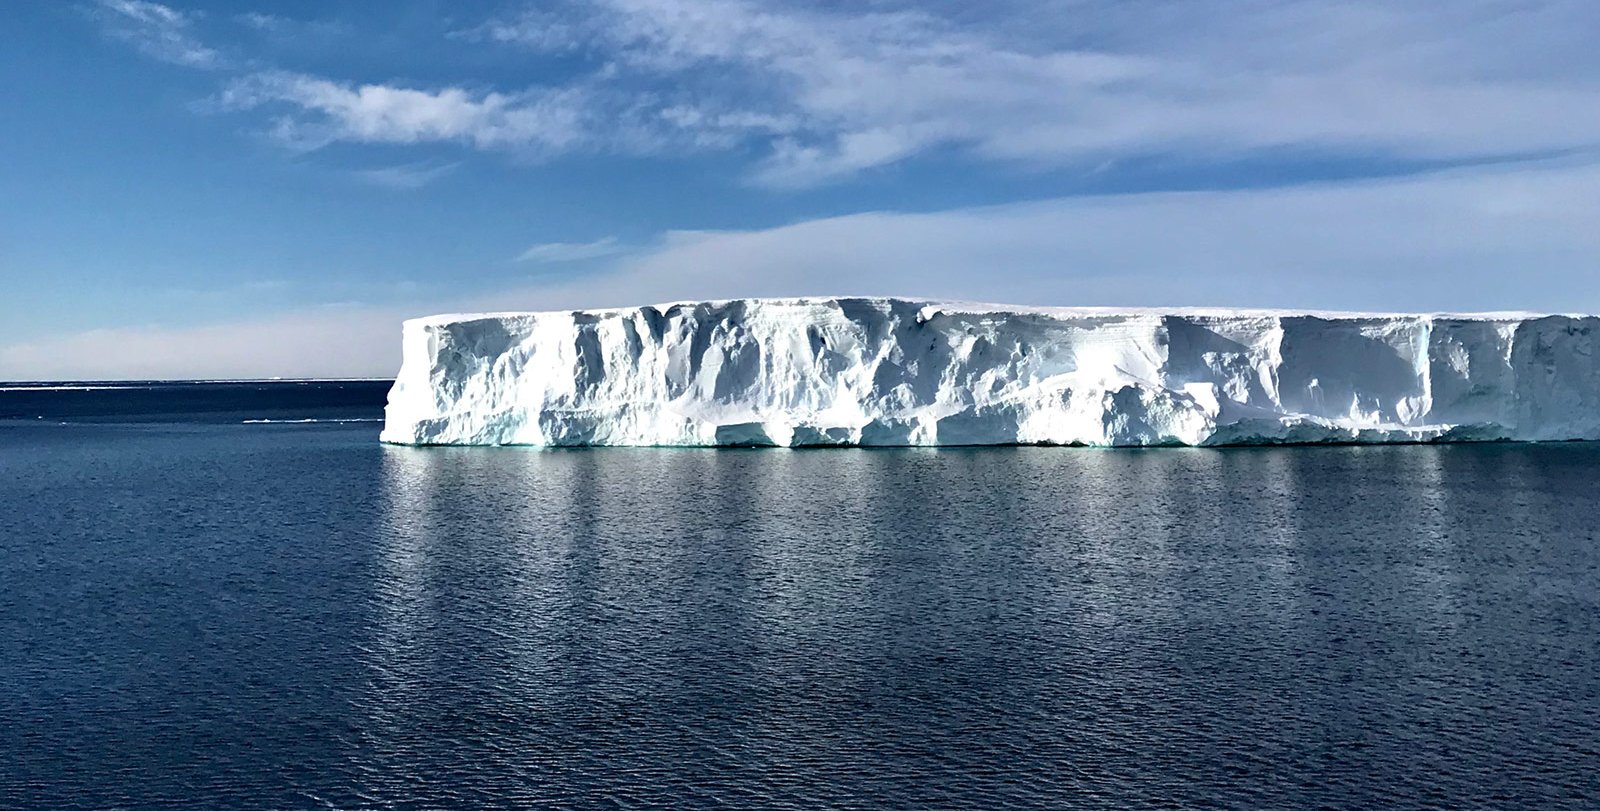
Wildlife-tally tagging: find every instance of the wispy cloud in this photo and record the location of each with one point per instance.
(279, 26)
(158, 31)
(538, 27)
(835, 90)
(1482, 239)
(874, 88)
(549, 252)
(262, 22)
(320, 111)
(406, 175)
(822, 92)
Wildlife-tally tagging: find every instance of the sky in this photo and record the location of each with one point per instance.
(252, 189)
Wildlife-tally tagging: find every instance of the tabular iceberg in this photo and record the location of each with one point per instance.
(883, 371)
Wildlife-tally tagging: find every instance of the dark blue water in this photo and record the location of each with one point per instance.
(207, 613)
(194, 402)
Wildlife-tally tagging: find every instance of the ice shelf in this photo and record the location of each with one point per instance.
(887, 371)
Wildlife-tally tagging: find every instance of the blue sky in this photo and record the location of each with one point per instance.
(251, 189)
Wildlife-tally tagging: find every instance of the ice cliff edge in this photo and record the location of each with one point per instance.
(883, 371)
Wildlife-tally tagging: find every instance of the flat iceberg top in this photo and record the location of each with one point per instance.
(976, 307)
(892, 371)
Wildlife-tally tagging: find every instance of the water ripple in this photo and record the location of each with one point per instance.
(253, 619)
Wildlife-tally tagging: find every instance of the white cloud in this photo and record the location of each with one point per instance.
(823, 92)
(1058, 82)
(158, 31)
(535, 27)
(330, 111)
(1484, 239)
(265, 23)
(285, 27)
(406, 175)
(572, 251)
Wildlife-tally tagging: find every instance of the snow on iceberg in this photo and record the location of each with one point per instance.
(883, 371)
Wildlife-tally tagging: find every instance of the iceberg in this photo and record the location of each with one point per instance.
(895, 372)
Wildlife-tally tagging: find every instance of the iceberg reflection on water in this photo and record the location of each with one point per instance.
(910, 627)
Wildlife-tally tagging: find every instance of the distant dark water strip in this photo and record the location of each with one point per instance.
(194, 401)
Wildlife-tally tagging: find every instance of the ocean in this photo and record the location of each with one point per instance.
(232, 596)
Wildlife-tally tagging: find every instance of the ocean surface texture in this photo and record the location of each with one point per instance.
(202, 609)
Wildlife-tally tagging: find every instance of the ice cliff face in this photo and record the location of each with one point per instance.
(862, 371)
